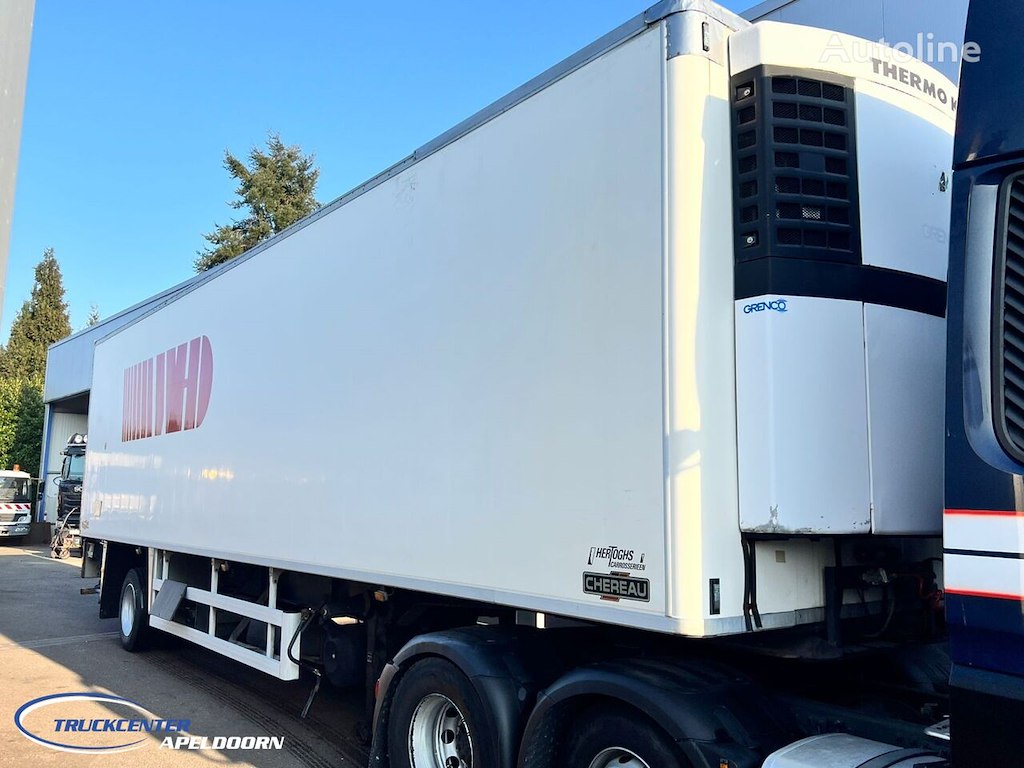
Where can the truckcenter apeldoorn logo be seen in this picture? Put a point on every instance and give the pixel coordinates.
(101, 723)
(169, 392)
(68, 722)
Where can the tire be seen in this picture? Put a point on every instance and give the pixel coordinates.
(607, 737)
(438, 721)
(133, 617)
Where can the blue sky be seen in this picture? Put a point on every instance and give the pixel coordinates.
(130, 106)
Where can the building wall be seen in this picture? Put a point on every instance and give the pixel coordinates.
(68, 382)
(895, 20)
(15, 39)
(69, 361)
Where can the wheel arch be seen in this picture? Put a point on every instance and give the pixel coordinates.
(118, 560)
(503, 668)
(711, 713)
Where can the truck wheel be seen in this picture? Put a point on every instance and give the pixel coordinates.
(610, 738)
(437, 721)
(132, 614)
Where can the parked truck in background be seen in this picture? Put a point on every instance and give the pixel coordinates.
(612, 423)
(15, 504)
(72, 470)
(66, 531)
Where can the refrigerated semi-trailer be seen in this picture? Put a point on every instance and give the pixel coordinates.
(604, 429)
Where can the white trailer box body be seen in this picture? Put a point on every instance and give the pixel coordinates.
(504, 371)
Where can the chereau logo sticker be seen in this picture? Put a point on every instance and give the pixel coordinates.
(169, 392)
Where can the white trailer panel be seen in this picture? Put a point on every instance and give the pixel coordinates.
(509, 370)
(453, 382)
(803, 426)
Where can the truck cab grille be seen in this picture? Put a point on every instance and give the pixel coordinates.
(1008, 320)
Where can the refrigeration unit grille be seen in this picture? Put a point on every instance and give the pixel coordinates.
(795, 168)
(1008, 320)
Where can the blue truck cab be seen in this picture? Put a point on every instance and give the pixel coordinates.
(984, 450)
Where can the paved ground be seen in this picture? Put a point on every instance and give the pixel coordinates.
(51, 641)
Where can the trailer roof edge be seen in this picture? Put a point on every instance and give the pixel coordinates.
(621, 34)
(719, 13)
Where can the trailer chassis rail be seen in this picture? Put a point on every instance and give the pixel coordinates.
(272, 659)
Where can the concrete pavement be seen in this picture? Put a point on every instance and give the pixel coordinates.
(51, 642)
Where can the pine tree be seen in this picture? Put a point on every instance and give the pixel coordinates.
(94, 316)
(27, 440)
(10, 403)
(41, 321)
(276, 188)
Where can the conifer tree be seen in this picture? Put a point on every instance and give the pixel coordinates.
(277, 189)
(41, 321)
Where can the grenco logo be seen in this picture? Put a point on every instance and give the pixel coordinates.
(776, 305)
(169, 392)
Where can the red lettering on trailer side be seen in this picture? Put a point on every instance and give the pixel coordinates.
(175, 385)
(147, 407)
(169, 392)
(161, 377)
(124, 409)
